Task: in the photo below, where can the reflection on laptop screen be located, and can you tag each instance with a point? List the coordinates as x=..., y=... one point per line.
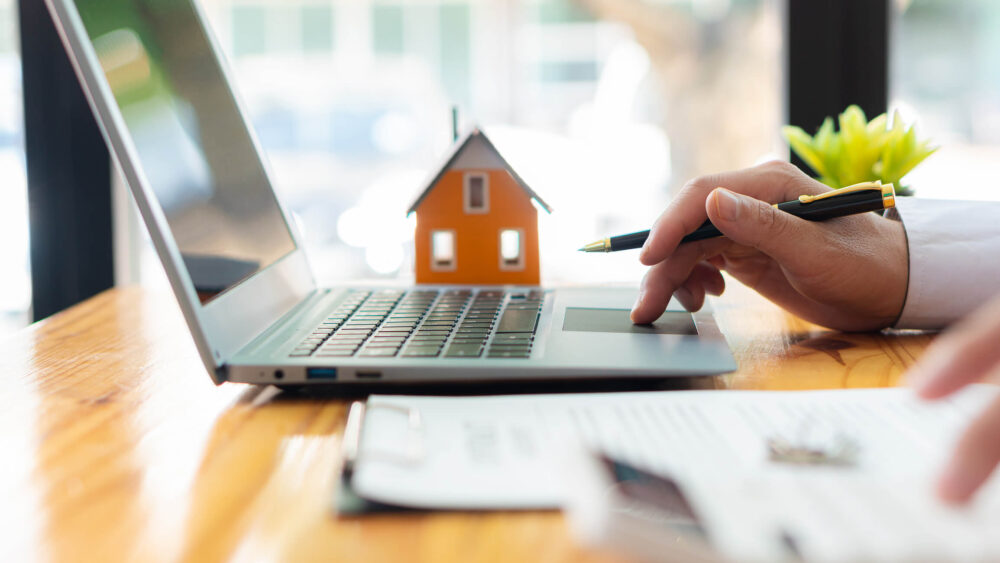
x=192, y=143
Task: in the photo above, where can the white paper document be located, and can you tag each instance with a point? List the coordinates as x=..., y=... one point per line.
x=512, y=452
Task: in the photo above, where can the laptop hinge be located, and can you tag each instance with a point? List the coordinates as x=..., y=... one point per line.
x=221, y=374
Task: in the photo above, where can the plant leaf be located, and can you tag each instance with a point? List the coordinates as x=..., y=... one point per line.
x=802, y=144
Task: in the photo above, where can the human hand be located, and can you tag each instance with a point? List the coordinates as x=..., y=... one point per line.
x=967, y=353
x=848, y=273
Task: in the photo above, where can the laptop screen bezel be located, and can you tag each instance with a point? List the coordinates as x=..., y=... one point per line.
x=228, y=322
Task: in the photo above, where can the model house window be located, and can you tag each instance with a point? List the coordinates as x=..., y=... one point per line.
x=442, y=250
x=477, y=193
x=511, y=249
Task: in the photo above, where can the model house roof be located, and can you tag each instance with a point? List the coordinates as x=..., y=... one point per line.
x=475, y=150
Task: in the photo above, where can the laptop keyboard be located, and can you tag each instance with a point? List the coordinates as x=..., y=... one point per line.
x=458, y=323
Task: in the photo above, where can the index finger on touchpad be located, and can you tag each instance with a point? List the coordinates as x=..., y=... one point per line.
x=587, y=319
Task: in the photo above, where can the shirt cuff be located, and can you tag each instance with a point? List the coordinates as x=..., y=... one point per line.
x=954, y=249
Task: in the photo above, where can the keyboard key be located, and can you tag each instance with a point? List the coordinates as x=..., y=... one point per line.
x=472, y=332
x=464, y=351
x=421, y=352
x=513, y=337
x=422, y=344
x=428, y=339
x=439, y=324
x=332, y=345
x=522, y=306
x=382, y=344
x=518, y=320
x=339, y=346
x=379, y=352
x=505, y=354
x=353, y=325
x=511, y=347
x=334, y=353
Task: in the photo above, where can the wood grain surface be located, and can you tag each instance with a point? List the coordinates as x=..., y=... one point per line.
x=117, y=446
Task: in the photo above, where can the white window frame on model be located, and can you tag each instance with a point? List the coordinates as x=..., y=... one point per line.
x=505, y=262
x=438, y=237
x=467, y=192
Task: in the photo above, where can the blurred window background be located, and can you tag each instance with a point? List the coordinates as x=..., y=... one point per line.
x=945, y=75
x=15, y=282
x=603, y=106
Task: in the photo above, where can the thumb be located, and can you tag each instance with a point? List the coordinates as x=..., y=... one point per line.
x=757, y=224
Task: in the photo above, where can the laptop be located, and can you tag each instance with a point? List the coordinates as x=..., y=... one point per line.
x=158, y=85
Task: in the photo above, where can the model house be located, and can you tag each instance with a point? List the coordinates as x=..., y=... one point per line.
x=476, y=221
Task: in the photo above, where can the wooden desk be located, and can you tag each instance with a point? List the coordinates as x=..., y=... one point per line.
x=116, y=445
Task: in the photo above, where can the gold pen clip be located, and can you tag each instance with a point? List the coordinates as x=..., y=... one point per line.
x=888, y=193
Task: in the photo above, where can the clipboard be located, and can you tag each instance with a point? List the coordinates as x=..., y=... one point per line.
x=346, y=500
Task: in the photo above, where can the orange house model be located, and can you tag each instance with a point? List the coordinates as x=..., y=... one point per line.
x=476, y=223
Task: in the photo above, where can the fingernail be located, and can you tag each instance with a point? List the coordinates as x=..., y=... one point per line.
x=728, y=204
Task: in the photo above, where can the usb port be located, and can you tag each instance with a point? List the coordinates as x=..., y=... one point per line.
x=369, y=374
x=321, y=373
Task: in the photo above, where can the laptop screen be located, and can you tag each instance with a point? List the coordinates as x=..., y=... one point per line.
x=193, y=145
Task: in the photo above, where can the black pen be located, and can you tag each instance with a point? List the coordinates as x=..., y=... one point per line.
x=859, y=198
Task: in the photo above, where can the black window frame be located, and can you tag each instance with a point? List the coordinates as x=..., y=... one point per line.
x=836, y=54
x=69, y=173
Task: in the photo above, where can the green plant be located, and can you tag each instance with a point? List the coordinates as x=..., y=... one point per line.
x=862, y=151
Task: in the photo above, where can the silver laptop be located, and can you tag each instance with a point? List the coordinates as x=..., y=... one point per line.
x=159, y=88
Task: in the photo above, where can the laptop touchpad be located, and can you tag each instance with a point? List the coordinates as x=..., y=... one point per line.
x=580, y=319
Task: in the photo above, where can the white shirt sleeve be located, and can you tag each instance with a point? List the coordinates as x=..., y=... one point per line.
x=954, y=259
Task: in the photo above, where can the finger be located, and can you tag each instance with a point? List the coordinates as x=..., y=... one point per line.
x=772, y=182
x=713, y=281
x=975, y=457
x=690, y=297
x=691, y=293
x=961, y=356
x=663, y=279
x=751, y=222
x=658, y=285
x=707, y=277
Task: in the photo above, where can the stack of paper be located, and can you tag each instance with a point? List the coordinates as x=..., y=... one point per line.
x=511, y=452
